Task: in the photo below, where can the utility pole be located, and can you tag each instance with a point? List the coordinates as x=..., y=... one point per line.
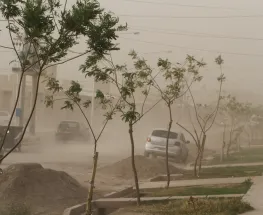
x=92, y=102
x=16, y=68
x=32, y=127
x=31, y=72
x=22, y=101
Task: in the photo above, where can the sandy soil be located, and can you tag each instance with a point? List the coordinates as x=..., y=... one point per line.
x=75, y=158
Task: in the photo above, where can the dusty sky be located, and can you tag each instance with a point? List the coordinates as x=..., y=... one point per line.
x=164, y=27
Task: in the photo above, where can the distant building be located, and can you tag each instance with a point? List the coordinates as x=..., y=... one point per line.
x=9, y=86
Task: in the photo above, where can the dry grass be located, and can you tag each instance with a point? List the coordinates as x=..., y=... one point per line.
x=232, y=206
x=241, y=188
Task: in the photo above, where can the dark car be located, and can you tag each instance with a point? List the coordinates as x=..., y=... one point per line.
x=72, y=130
x=12, y=138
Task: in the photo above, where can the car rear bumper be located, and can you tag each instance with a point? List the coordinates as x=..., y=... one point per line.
x=150, y=149
x=162, y=153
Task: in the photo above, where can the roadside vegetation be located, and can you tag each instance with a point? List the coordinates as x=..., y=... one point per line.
x=176, y=78
x=220, y=189
x=244, y=155
x=233, y=206
x=203, y=123
x=223, y=172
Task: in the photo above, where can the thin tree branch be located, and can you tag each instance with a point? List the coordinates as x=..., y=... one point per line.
x=196, y=113
x=198, y=140
x=148, y=111
x=145, y=98
x=115, y=106
x=6, y=47
x=67, y=60
x=187, y=131
x=217, y=107
x=115, y=80
x=87, y=120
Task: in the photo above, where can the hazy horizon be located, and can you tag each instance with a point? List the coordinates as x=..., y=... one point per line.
x=167, y=30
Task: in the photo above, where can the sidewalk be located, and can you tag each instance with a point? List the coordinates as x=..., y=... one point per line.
x=255, y=196
x=196, y=182
x=189, y=167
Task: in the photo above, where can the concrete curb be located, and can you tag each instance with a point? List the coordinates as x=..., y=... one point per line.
x=75, y=210
x=164, y=177
x=80, y=208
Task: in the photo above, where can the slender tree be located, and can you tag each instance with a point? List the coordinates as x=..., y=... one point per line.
x=238, y=113
x=175, y=88
x=72, y=99
x=48, y=30
x=132, y=81
x=204, y=123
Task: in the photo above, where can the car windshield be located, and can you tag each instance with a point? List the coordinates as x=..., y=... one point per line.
x=162, y=133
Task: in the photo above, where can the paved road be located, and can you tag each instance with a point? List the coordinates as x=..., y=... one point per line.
x=255, y=196
x=50, y=151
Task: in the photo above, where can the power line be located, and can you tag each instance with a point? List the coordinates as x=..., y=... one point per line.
x=189, y=17
x=183, y=5
x=74, y=52
x=196, y=34
x=12, y=49
x=197, y=49
x=6, y=47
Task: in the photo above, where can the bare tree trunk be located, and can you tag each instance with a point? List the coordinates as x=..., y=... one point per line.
x=230, y=142
x=238, y=144
x=223, y=152
x=196, y=162
x=228, y=149
x=92, y=184
x=201, y=153
x=167, y=147
x=133, y=164
x=223, y=145
x=249, y=140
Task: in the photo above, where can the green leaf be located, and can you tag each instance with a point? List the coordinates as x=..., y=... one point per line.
x=68, y=105
x=49, y=101
x=86, y=104
x=99, y=95
x=219, y=60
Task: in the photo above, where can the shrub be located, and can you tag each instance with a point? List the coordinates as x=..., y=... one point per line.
x=193, y=206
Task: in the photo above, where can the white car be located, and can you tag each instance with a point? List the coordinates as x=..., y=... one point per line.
x=156, y=145
x=4, y=118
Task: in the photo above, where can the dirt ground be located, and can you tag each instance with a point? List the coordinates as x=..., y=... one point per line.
x=75, y=158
